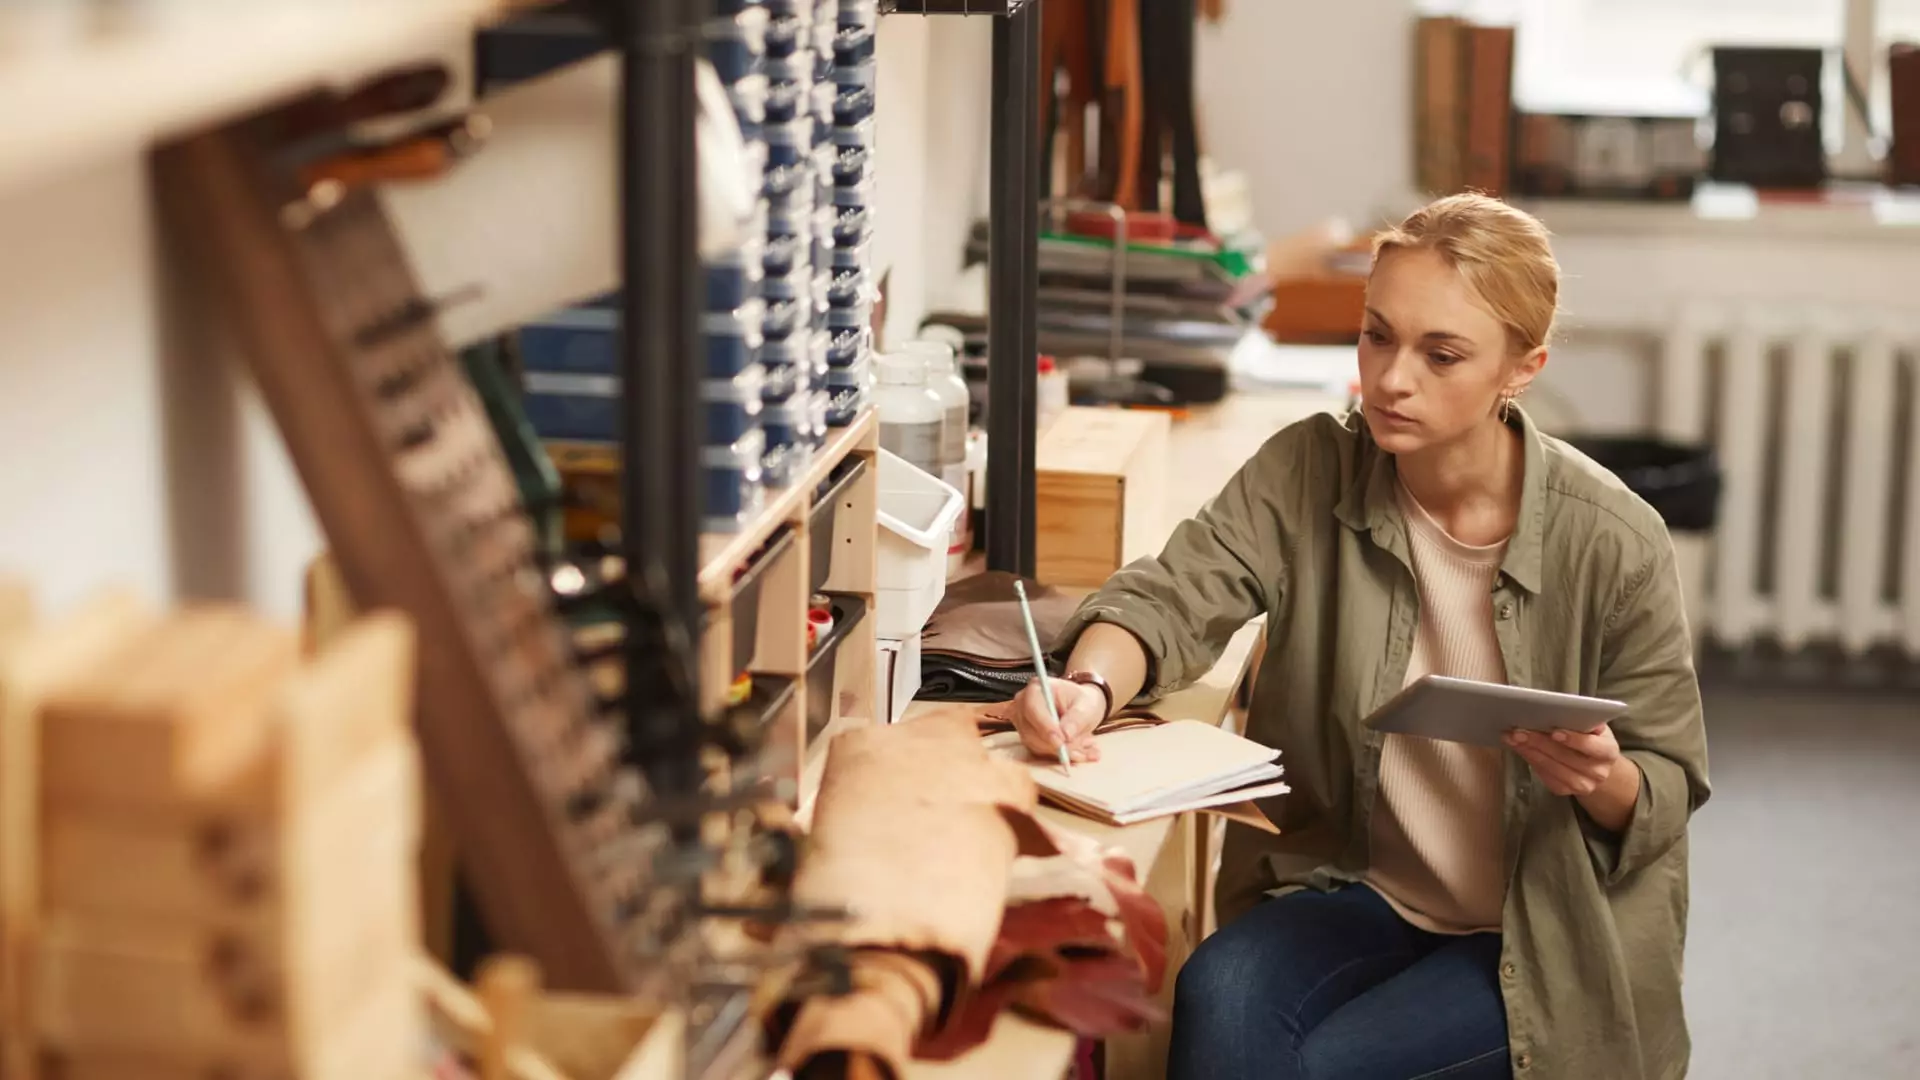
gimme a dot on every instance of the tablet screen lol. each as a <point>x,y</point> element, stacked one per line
<point>1468,711</point>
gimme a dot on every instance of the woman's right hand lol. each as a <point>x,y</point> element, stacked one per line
<point>1082,708</point>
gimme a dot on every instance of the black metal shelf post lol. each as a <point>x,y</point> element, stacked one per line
<point>1013,272</point>
<point>660,338</point>
<point>1013,269</point>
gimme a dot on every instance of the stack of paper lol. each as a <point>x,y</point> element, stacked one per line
<point>1151,772</point>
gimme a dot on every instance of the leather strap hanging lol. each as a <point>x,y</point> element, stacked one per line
<point>1169,121</point>
<point>1124,104</point>
<point>1066,47</point>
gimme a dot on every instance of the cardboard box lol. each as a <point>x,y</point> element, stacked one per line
<point>1100,493</point>
<point>1324,310</point>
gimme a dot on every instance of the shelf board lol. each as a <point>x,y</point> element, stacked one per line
<point>69,106</point>
<point>814,767</point>
<point>721,553</point>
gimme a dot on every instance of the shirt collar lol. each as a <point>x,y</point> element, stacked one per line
<point>1371,505</point>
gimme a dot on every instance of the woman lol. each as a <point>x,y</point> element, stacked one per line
<point>1430,909</point>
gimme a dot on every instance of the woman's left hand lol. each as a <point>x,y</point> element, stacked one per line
<point>1573,763</point>
<point>1586,765</point>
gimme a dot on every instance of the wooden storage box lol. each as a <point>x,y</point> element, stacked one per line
<point>1321,310</point>
<point>1100,493</point>
<point>215,873</point>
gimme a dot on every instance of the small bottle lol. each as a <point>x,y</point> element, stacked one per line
<point>943,377</point>
<point>912,417</point>
<point>1051,393</point>
<point>819,621</point>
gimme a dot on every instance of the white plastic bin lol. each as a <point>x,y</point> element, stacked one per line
<point>917,513</point>
<point>896,677</point>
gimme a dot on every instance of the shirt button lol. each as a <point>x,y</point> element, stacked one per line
<point>1509,969</point>
<point>1524,1061</point>
<point>1506,610</point>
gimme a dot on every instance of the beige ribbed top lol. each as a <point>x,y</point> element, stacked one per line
<point>1438,830</point>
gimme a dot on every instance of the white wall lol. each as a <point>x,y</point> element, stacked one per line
<point>1314,102</point>
<point>933,135</point>
<point>901,142</point>
<point>126,462</point>
<point>80,484</point>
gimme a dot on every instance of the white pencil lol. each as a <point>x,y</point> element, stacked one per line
<point>1040,668</point>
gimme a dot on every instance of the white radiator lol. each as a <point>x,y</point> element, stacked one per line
<point>1813,414</point>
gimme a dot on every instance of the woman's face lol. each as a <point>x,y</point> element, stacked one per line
<point>1434,361</point>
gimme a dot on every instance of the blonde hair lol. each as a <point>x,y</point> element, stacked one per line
<point>1503,253</point>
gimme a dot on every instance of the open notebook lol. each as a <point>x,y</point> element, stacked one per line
<point>1150,772</point>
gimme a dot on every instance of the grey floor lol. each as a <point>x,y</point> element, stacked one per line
<point>1803,957</point>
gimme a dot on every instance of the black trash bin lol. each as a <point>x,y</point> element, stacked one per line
<point>1680,481</point>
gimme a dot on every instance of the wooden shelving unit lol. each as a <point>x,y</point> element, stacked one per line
<point>762,576</point>
<point>110,99</point>
<point>721,553</point>
<point>72,107</point>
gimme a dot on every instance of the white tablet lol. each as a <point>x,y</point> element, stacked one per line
<point>1466,711</point>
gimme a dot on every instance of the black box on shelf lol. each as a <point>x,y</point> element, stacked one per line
<point>1903,91</point>
<point>1767,107</point>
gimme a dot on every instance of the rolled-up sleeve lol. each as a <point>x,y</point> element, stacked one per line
<point>1220,569</point>
<point>1647,662</point>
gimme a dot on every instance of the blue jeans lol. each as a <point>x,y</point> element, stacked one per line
<point>1338,985</point>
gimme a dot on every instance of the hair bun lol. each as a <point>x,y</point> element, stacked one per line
<point>1503,252</point>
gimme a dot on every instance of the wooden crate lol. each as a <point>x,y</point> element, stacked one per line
<point>381,1040</point>
<point>32,662</point>
<point>210,868</point>
<point>1100,493</point>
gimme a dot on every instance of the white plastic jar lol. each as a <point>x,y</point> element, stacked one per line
<point>943,378</point>
<point>912,416</point>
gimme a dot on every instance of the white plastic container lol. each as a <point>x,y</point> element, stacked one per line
<point>916,511</point>
<point>943,378</point>
<point>896,677</point>
<point>912,417</point>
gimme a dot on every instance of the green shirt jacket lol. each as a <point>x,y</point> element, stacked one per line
<point>1309,533</point>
